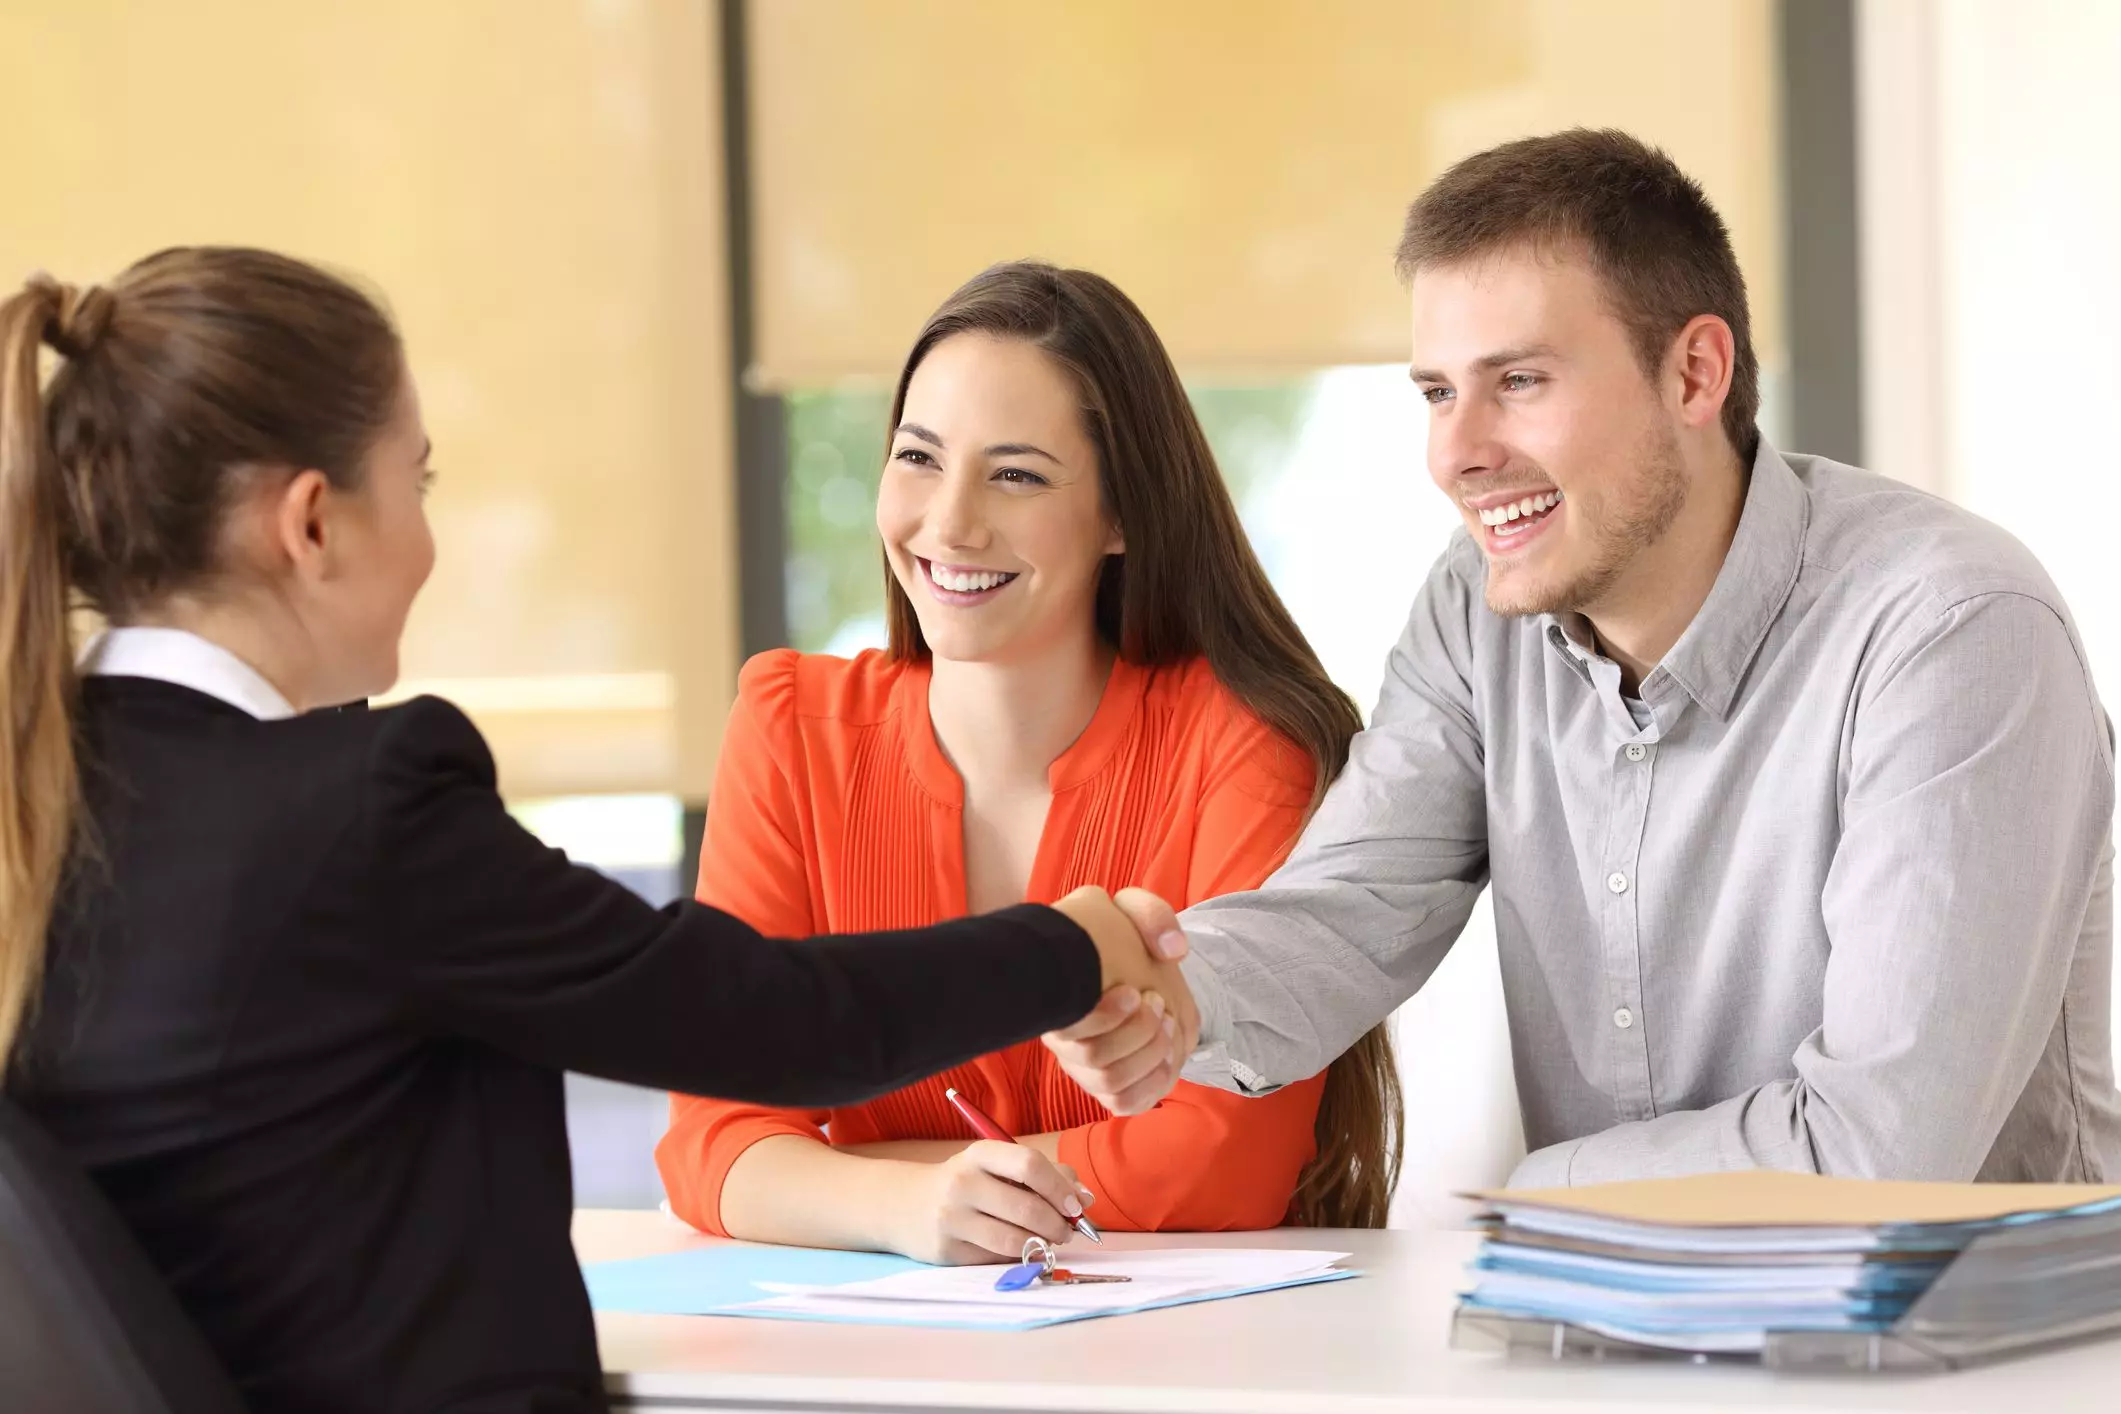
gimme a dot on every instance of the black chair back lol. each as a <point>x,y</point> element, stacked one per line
<point>86,1323</point>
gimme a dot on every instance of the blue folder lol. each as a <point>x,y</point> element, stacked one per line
<point>717,1280</point>
<point>706,1280</point>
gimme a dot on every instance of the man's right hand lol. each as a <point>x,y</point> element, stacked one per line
<point>1128,1052</point>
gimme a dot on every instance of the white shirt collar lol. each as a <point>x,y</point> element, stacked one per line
<point>174,655</point>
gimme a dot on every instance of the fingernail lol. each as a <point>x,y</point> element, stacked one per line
<point>1129,1000</point>
<point>1087,1196</point>
<point>1170,1026</point>
<point>1073,1207</point>
<point>1156,1004</point>
<point>1171,945</point>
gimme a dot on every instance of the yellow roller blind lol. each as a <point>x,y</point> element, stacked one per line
<point>536,185</point>
<point>1239,166</point>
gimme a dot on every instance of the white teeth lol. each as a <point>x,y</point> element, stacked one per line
<point>1518,510</point>
<point>967,581</point>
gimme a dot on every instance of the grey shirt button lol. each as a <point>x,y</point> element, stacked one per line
<point>1617,882</point>
<point>1623,1018</point>
<point>1637,751</point>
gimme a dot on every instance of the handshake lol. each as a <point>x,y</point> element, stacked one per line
<point>1127,1053</point>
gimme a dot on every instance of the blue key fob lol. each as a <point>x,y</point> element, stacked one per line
<point>1018,1277</point>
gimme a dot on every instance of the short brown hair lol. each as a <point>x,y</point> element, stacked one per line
<point>1664,254</point>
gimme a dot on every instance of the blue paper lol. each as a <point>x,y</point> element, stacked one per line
<point>703,1281</point>
<point>719,1280</point>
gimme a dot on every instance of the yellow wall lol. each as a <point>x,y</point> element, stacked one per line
<point>1239,166</point>
<point>535,185</point>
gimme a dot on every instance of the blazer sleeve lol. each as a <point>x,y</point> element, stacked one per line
<point>493,937</point>
<point>1205,1160</point>
<point>753,864</point>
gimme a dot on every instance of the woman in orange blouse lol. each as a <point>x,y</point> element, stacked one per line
<point>1089,681</point>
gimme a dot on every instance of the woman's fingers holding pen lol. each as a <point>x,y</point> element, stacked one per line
<point>984,1203</point>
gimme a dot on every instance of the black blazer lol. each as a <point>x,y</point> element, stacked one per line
<point>309,994</point>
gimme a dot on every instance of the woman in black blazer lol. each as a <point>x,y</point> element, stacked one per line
<point>290,983</point>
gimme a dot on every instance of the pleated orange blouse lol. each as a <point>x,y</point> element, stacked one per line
<point>835,810</point>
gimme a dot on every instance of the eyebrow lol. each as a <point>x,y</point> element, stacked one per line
<point>998,449</point>
<point>1021,449</point>
<point>1487,363</point>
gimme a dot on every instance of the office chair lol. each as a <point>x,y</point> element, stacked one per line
<point>86,1324</point>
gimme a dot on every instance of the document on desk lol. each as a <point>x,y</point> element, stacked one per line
<point>965,1297</point>
<point>1737,1262</point>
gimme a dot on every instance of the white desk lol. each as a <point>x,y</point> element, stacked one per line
<point>1371,1346</point>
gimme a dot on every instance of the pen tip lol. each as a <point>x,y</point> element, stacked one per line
<point>1089,1229</point>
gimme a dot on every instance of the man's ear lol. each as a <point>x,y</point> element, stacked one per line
<point>1706,356</point>
<point>302,529</point>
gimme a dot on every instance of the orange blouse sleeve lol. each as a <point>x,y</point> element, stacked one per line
<point>1206,1160</point>
<point>752,864</point>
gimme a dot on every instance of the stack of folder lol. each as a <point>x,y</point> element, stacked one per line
<point>1796,1270</point>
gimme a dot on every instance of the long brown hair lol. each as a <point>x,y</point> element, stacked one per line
<point>195,368</point>
<point>1188,587</point>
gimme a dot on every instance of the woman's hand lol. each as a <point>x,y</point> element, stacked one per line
<point>983,1204</point>
<point>1128,1052</point>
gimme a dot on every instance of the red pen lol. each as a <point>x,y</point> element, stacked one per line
<point>986,1128</point>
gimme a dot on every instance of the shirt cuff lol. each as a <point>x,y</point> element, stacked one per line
<point>1212,1063</point>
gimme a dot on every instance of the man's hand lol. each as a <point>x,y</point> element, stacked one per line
<point>1127,1053</point>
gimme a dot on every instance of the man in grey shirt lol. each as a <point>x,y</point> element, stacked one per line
<point>1791,781</point>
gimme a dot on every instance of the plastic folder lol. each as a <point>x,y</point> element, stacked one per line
<point>1797,1272</point>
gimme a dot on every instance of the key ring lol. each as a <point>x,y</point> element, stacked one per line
<point>1038,1265</point>
<point>1039,1252</point>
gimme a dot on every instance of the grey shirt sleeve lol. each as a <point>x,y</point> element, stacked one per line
<point>1978,787</point>
<point>1291,974</point>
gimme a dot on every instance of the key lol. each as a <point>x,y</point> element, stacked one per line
<point>1020,1276</point>
<point>1039,1265</point>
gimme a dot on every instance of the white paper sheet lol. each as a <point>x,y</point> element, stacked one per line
<point>966,1295</point>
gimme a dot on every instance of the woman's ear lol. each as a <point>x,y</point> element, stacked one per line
<point>302,531</point>
<point>1115,542</point>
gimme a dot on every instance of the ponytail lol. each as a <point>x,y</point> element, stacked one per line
<point>39,786</point>
<point>115,479</point>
